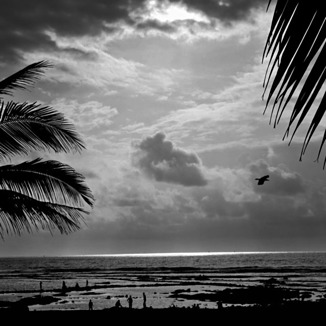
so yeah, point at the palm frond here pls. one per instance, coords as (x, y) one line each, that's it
(49, 181)
(23, 78)
(297, 64)
(30, 126)
(20, 213)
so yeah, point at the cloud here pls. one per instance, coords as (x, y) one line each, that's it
(152, 24)
(162, 215)
(227, 11)
(161, 160)
(134, 214)
(193, 19)
(24, 25)
(213, 204)
(104, 71)
(231, 115)
(92, 117)
(27, 27)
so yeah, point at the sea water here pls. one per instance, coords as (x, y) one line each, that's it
(112, 277)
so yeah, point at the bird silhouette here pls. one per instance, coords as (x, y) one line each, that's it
(262, 179)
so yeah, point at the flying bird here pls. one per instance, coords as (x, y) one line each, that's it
(262, 179)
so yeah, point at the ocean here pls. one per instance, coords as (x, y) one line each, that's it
(181, 280)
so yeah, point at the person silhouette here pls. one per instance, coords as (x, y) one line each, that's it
(64, 287)
(118, 304)
(90, 305)
(144, 300)
(41, 288)
(130, 301)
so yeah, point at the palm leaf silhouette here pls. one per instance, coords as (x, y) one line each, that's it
(21, 213)
(38, 194)
(23, 78)
(297, 66)
(29, 126)
(50, 181)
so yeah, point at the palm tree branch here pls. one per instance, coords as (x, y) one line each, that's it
(313, 125)
(294, 76)
(19, 213)
(29, 126)
(306, 99)
(49, 180)
(276, 37)
(297, 59)
(288, 42)
(24, 77)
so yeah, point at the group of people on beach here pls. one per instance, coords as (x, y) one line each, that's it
(130, 302)
(77, 287)
(118, 303)
(64, 287)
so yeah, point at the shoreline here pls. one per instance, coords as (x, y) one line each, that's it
(176, 288)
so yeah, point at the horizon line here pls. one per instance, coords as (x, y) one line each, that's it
(202, 253)
(171, 254)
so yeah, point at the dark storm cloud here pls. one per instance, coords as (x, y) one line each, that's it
(225, 10)
(160, 159)
(281, 181)
(23, 23)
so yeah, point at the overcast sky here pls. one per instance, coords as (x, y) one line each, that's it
(167, 96)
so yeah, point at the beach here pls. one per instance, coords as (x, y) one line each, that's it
(230, 287)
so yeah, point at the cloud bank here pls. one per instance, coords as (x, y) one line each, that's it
(28, 27)
(162, 160)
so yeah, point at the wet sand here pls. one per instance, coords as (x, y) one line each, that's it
(177, 297)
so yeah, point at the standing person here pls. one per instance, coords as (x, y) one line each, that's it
(130, 301)
(144, 300)
(41, 288)
(64, 287)
(90, 305)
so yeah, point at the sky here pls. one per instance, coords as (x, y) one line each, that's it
(167, 96)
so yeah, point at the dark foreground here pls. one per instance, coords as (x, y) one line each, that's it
(293, 312)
